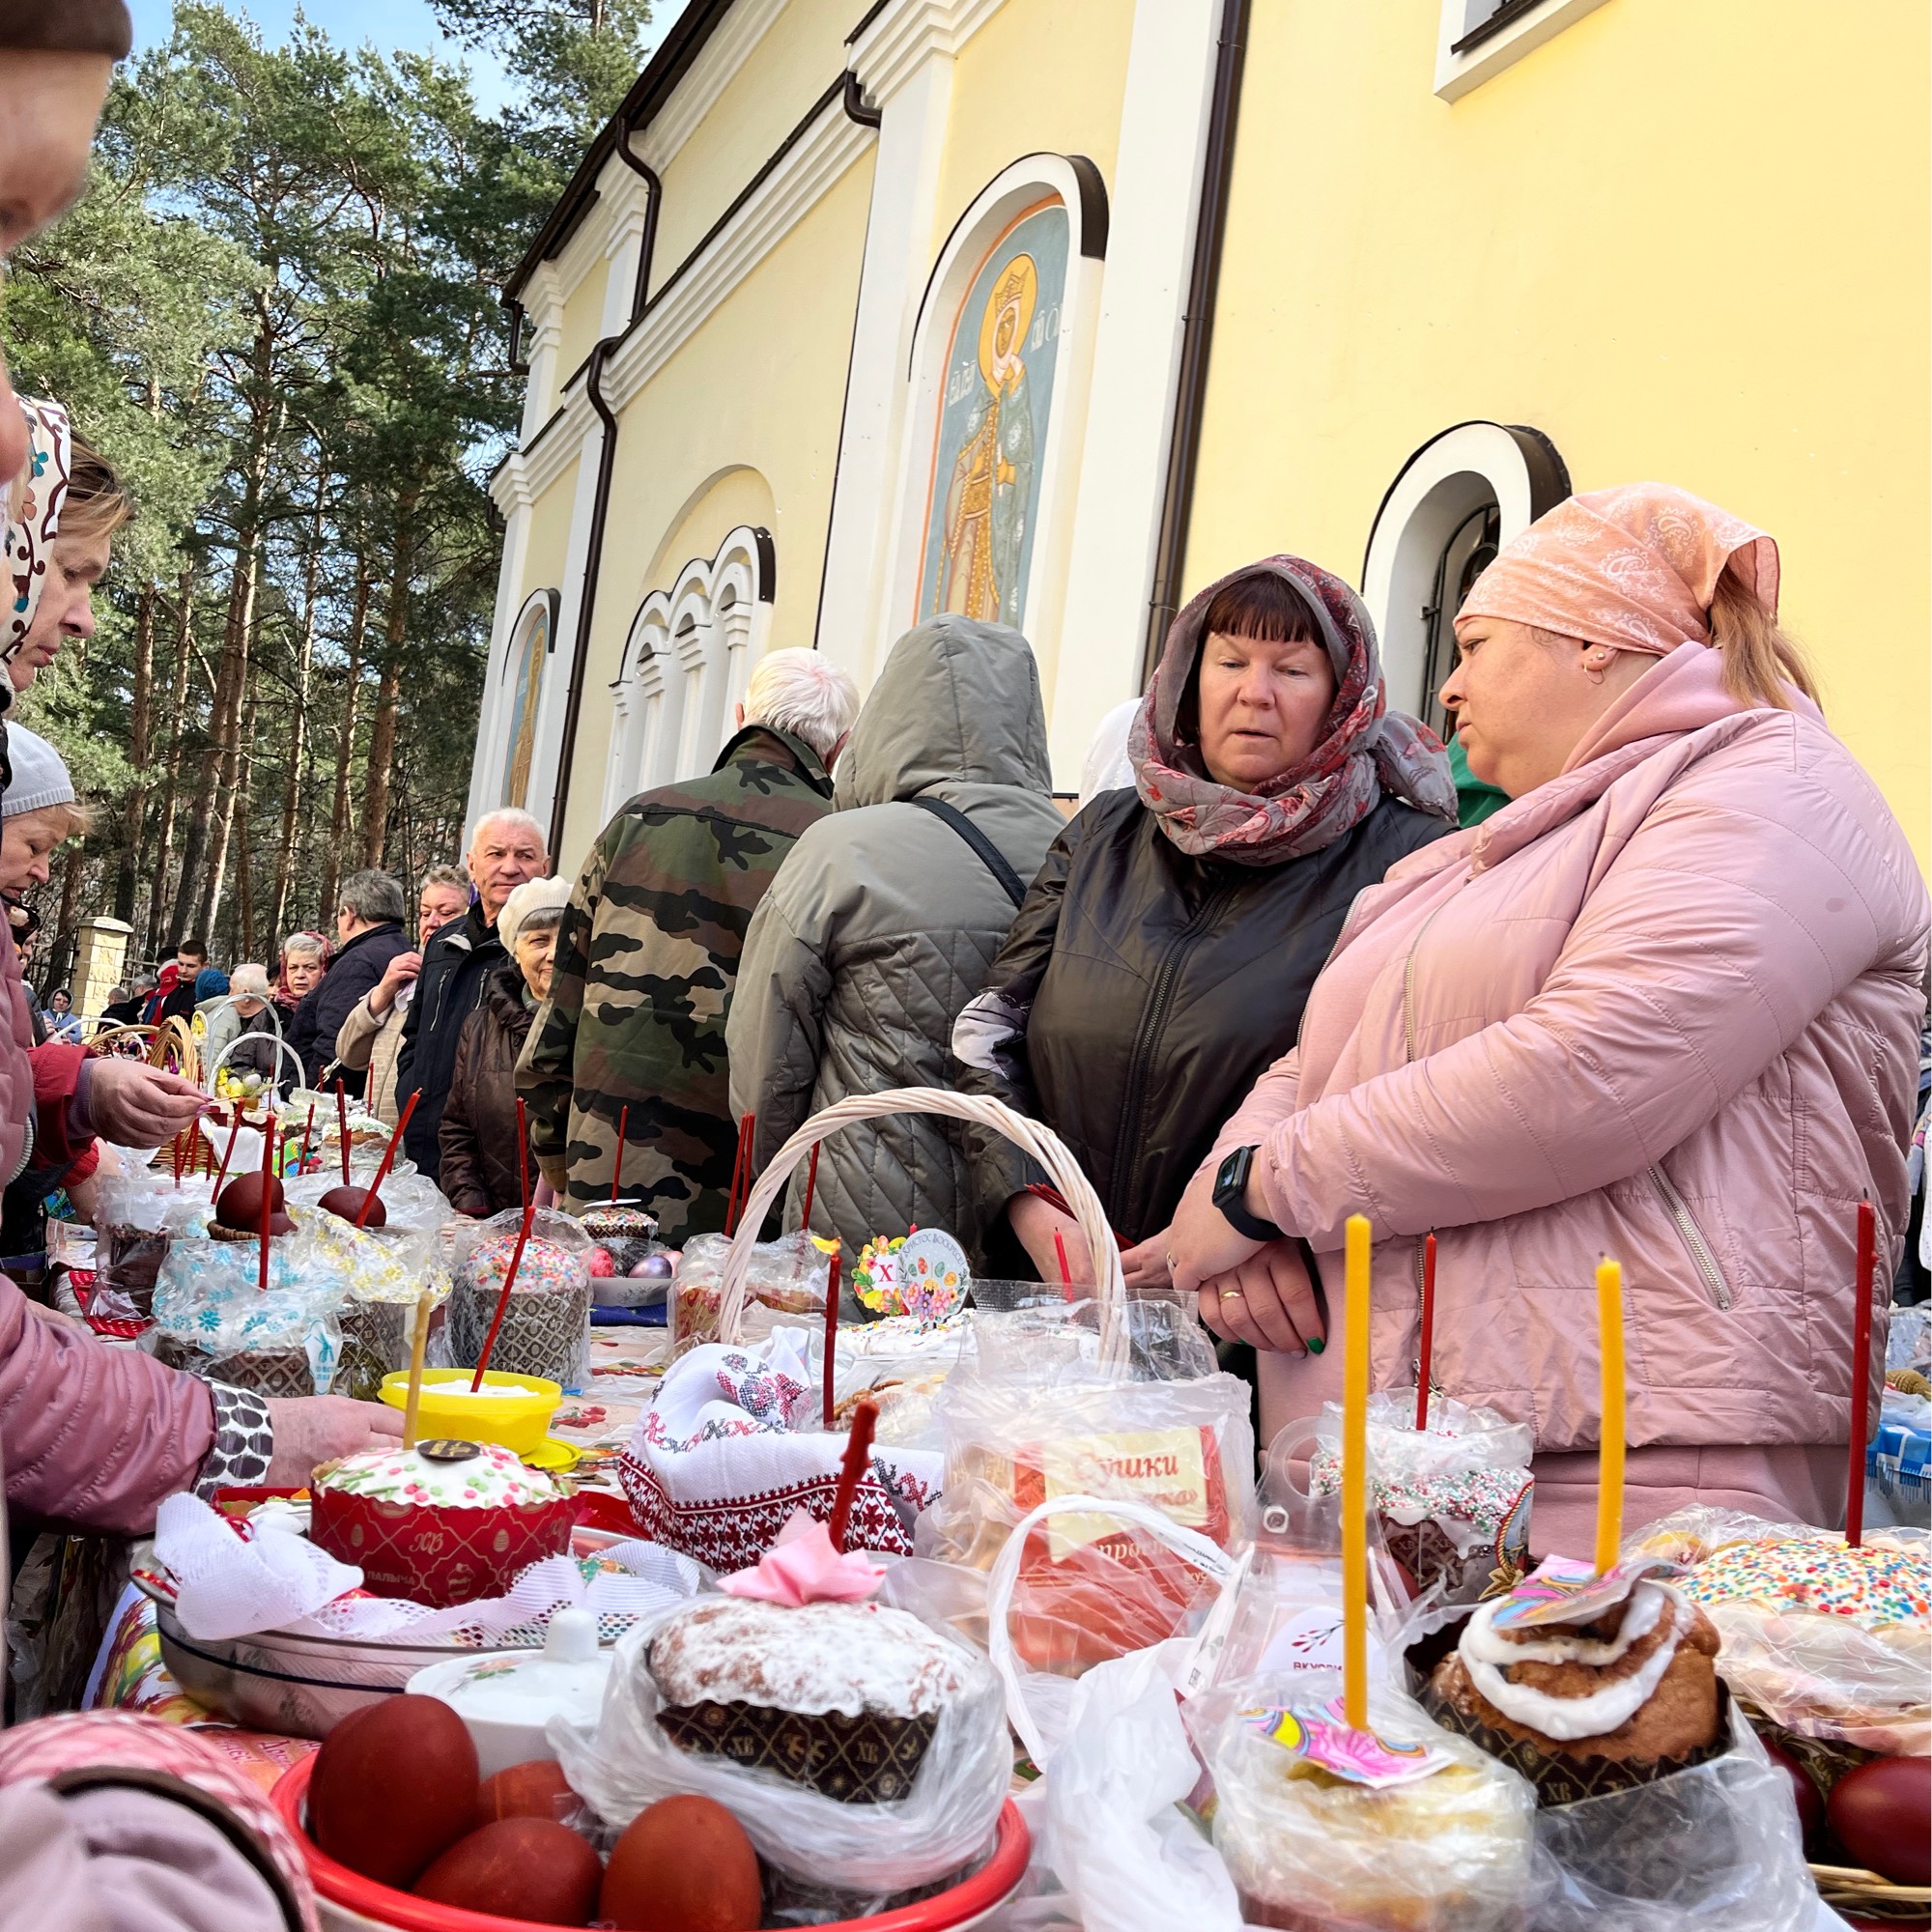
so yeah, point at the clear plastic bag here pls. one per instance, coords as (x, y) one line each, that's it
(208, 1305)
(785, 1283)
(1450, 1851)
(1712, 1849)
(1454, 1499)
(546, 1328)
(1864, 1678)
(626, 1761)
(1165, 1342)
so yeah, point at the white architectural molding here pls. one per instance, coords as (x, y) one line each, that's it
(905, 35)
(1156, 199)
(486, 771)
(697, 93)
(1458, 75)
(1449, 479)
(686, 664)
(1025, 182)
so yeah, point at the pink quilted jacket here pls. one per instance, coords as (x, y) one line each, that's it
(1664, 1007)
(91, 1436)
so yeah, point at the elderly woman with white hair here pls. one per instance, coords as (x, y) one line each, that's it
(486, 1164)
(248, 1008)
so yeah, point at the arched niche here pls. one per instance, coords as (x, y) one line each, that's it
(686, 664)
(1458, 499)
(520, 679)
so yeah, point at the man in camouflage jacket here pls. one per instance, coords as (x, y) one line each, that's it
(646, 959)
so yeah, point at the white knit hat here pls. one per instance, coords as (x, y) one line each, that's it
(40, 778)
(527, 898)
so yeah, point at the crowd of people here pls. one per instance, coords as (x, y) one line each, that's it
(1644, 972)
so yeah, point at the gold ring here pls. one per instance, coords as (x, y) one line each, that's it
(1228, 1293)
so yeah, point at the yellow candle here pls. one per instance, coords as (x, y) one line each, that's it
(1610, 1458)
(418, 1347)
(1356, 1479)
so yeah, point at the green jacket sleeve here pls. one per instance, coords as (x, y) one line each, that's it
(546, 1068)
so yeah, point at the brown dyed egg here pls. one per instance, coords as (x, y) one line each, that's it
(684, 1864)
(347, 1201)
(1882, 1812)
(240, 1203)
(530, 1869)
(537, 1789)
(1803, 1793)
(394, 1785)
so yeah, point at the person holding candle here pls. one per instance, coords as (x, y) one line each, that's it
(1662, 1007)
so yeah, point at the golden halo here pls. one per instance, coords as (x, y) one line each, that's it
(1017, 283)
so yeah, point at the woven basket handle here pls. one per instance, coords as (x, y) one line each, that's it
(282, 1048)
(1029, 1136)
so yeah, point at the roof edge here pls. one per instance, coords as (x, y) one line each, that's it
(660, 75)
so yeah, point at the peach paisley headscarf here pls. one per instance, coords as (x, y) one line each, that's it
(1634, 567)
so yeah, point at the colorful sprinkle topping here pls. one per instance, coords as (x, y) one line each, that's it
(1874, 1585)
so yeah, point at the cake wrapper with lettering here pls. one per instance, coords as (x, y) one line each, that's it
(1567, 1778)
(271, 1372)
(439, 1556)
(869, 1759)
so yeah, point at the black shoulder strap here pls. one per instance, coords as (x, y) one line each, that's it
(990, 855)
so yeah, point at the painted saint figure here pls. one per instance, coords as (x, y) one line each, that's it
(987, 499)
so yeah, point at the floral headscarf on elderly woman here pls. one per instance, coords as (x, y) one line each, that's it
(1365, 748)
(33, 506)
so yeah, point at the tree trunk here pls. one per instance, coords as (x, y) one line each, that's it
(135, 808)
(382, 726)
(245, 792)
(165, 837)
(345, 745)
(67, 922)
(285, 851)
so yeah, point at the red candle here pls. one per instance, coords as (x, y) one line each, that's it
(1428, 1333)
(831, 1328)
(811, 1188)
(228, 1152)
(388, 1155)
(342, 1127)
(267, 1198)
(617, 1172)
(309, 1137)
(523, 1153)
(1861, 1301)
(858, 1454)
(503, 1298)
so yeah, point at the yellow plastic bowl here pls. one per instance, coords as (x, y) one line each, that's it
(448, 1408)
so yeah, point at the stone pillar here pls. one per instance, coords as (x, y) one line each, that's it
(101, 956)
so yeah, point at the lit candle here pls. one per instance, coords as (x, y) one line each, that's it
(1611, 1456)
(1356, 1479)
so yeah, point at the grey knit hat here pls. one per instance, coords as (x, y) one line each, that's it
(40, 778)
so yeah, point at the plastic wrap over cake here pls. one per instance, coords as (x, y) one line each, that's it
(546, 1328)
(785, 1282)
(208, 1305)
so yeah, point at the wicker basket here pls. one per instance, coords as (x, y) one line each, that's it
(1029, 1136)
(1853, 1893)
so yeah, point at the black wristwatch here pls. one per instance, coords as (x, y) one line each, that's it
(1231, 1183)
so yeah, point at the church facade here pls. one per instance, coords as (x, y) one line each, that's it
(1051, 314)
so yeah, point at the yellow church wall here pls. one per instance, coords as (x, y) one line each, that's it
(1038, 77)
(1683, 246)
(741, 425)
(549, 543)
(582, 321)
(798, 57)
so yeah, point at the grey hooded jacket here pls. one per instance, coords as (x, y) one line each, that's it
(883, 923)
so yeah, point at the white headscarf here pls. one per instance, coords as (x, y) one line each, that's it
(33, 516)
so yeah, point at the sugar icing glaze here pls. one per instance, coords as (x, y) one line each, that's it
(490, 1478)
(814, 1659)
(1484, 1655)
(1875, 1586)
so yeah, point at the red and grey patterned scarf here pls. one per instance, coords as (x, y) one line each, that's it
(1366, 749)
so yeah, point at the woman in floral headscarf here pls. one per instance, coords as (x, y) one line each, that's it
(1162, 956)
(1663, 1006)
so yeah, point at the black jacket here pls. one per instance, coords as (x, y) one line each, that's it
(351, 974)
(457, 963)
(1142, 992)
(478, 1135)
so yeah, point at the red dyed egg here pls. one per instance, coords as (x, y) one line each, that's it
(530, 1869)
(600, 1263)
(1803, 1793)
(239, 1205)
(1882, 1812)
(394, 1786)
(684, 1864)
(347, 1203)
(537, 1789)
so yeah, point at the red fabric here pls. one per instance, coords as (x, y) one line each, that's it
(16, 1040)
(56, 1070)
(90, 1435)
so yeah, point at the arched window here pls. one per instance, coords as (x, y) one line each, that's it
(524, 664)
(686, 665)
(1453, 504)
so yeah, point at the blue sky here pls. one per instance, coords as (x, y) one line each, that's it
(389, 23)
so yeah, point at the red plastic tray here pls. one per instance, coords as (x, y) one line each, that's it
(949, 1911)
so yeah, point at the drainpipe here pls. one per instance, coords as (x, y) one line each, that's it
(1183, 450)
(600, 504)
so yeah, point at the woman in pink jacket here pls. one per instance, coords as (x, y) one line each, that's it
(1663, 1006)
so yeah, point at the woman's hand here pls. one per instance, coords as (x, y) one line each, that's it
(136, 1105)
(1203, 1243)
(1268, 1302)
(1146, 1266)
(314, 1429)
(397, 975)
(1036, 1222)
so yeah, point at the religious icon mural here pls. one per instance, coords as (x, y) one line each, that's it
(996, 402)
(525, 667)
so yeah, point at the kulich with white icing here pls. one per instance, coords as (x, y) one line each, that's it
(492, 1478)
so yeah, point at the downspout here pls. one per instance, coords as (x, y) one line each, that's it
(600, 502)
(1197, 331)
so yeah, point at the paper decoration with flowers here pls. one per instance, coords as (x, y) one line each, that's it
(924, 1274)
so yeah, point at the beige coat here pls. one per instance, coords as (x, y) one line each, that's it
(372, 1041)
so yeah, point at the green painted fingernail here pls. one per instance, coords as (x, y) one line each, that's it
(1316, 1345)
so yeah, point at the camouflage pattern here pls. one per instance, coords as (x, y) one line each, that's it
(646, 958)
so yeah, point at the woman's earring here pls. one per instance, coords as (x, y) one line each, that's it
(1596, 664)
